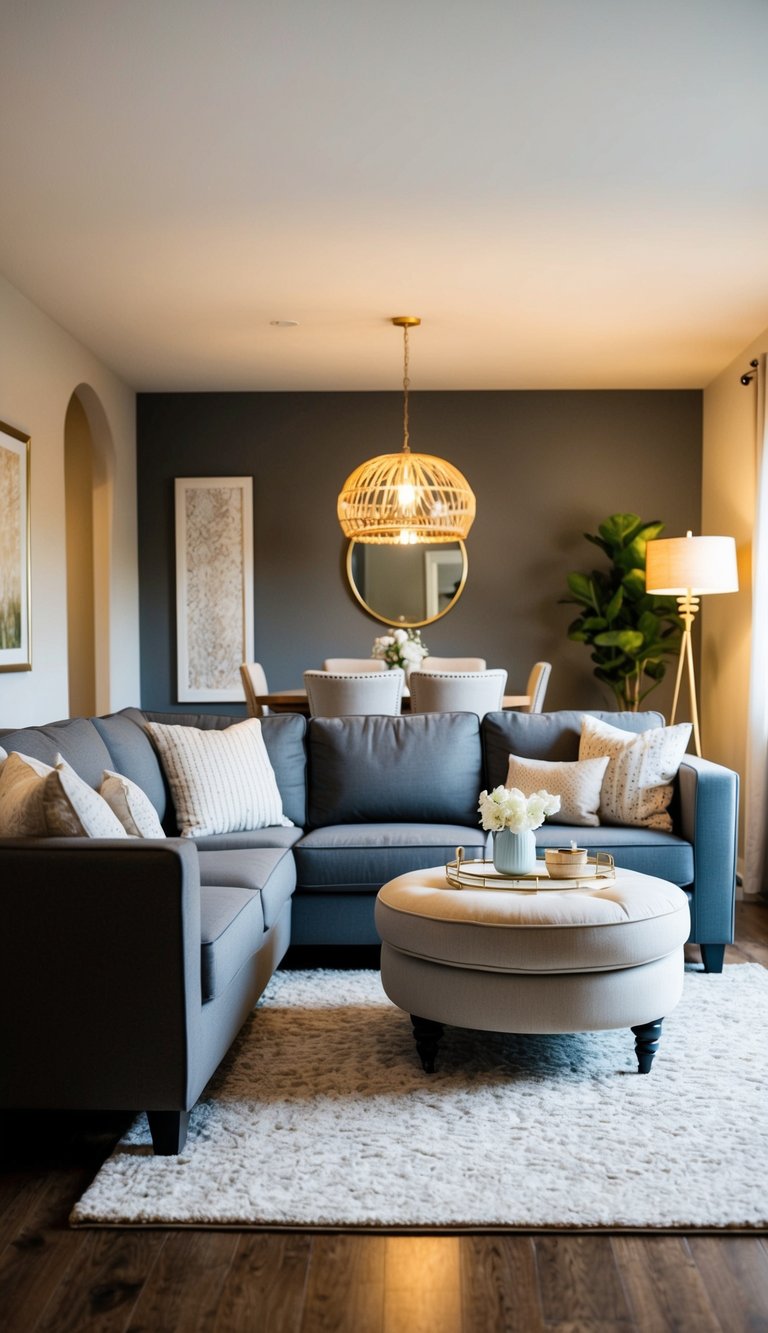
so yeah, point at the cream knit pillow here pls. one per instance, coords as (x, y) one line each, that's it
(131, 805)
(637, 786)
(220, 781)
(577, 784)
(75, 810)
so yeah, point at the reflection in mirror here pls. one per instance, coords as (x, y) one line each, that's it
(407, 585)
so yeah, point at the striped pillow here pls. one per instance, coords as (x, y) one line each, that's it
(220, 781)
(637, 787)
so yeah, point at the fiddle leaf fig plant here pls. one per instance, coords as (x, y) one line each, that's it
(631, 632)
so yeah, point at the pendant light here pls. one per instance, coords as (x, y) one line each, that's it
(406, 498)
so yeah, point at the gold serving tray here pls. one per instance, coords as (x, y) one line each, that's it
(462, 874)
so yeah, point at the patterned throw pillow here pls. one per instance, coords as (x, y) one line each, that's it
(220, 781)
(132, 806)
(577, 784)
(22, 779)
(75, 810)
(637, 787)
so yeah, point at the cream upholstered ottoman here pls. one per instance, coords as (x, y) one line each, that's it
(552, 961)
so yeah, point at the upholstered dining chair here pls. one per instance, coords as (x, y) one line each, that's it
(334, 694)
(254, 683)
(478, 692)
(536, 688)
(453, 664)
(354, 664)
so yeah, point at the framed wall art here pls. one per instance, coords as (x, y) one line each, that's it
(15, 610)
(214, 586)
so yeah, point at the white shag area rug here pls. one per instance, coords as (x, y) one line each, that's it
(322, 1117)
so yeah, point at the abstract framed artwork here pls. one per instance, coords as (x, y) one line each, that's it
(214, 586)
(15, 610)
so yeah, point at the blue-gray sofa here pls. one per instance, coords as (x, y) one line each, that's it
(128, 966)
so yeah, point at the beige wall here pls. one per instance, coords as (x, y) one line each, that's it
(41, 366)
(728, 502)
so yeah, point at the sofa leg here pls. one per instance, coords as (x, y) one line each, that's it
(647, 1038)
(169, 1131)
(713, 957)
(427, 1034)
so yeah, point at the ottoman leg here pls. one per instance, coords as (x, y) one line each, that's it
(647, 1038)
(427, 1034)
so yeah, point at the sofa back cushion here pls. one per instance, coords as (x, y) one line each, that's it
(423, 767)
(551, 736)
(133, 755)
(77, 739)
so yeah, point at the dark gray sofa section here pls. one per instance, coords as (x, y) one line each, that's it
(127, 968)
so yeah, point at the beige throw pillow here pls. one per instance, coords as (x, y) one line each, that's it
(22, 779)
(637, 788)
(131, 805)
(75, 810)
(220, 781)
(577, 784)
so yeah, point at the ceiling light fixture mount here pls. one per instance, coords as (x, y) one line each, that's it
(406, 498)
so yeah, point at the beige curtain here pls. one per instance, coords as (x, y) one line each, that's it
(756, 793)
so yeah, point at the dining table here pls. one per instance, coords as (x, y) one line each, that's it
(295, 701)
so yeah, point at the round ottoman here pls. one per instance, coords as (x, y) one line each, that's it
(518, 961)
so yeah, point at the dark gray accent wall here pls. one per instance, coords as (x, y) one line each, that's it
(545, 467)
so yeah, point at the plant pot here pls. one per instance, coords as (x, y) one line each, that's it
(514, 853)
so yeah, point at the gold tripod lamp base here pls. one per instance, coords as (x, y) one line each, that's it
(687, 606)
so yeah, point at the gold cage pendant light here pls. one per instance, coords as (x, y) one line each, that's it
(406, 498)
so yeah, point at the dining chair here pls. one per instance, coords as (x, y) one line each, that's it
(536, 688)
(335, 694)
(254, 683)
(354, 664)
(478, 692)
(453, 664)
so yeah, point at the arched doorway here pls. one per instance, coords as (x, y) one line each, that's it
(88, 472)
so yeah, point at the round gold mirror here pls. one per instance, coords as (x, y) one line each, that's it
(407, 585)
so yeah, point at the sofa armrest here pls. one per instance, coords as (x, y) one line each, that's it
(709, 809)
(99, 972)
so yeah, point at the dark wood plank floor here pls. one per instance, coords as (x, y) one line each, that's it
(53, 1280)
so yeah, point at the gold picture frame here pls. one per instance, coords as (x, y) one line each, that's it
(214, 586)
(15, 579)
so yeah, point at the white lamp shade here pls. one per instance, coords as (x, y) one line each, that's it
(678, 565)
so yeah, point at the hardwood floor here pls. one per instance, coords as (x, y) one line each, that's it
(53, 1280)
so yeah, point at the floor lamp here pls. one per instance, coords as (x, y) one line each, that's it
(687, 568)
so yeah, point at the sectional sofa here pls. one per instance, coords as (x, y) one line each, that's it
(128, 966)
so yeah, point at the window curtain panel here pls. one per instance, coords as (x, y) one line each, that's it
(756, 811)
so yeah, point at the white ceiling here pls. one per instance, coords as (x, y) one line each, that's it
(571, 193)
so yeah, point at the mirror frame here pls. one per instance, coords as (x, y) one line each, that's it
(408, 624)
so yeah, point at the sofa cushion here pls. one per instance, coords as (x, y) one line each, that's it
(647, 850)
(362, 857)
(551, 736)
(231, 930)
(577, 784)
(637, 788)
(243, 839)
(423, 768)
(133, 755)
(267, 870)
(220, 780)
(77, 739)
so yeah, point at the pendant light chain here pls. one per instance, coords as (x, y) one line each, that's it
(406, 385)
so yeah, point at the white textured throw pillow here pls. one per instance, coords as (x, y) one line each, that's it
(75, 810)
(637, 786)
(3, 757)
(22, 779)
(221, 781)
(577, 784)
(131, 805)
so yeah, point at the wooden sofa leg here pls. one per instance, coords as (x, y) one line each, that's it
(169, 1131)
(713, 957)
(647, 1038)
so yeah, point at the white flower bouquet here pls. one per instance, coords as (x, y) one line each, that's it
(508, 808)
(400, 648)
